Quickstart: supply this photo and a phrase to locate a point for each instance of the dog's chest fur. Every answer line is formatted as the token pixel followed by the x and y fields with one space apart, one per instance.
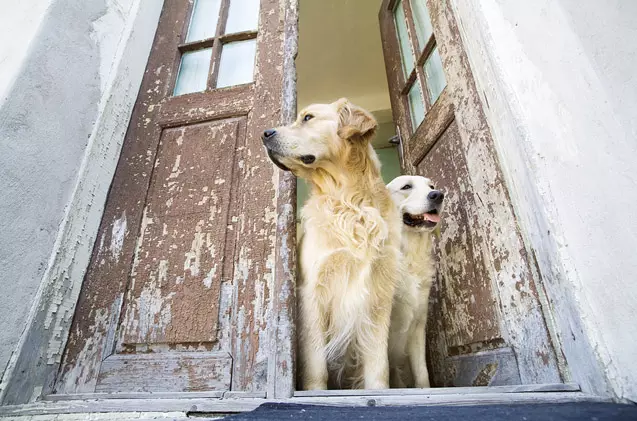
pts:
pixel 349 257
pixel 419 271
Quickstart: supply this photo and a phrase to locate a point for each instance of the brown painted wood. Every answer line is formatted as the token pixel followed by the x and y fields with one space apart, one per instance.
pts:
pixel 393 69
pixel 282 361
pixel 186 254
pixel 177 270
pixel 205 106
pixel 468 311
pixel 484 277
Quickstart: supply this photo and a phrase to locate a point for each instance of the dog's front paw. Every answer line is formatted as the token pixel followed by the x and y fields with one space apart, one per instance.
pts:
pixel 377 384
pixel 422 379
pixel 319 385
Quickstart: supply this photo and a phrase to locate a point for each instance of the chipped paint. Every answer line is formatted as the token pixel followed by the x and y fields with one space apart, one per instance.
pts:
pixel 117 236
pixel 150 313
pixel 485 296
pixel 193 257
pixel 191 261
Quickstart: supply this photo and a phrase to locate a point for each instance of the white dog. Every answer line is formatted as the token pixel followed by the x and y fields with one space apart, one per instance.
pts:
pixel 350 250
pixel 420 205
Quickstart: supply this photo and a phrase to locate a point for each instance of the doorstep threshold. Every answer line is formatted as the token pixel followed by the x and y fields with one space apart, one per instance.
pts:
pixel 552 387
pixel 146 402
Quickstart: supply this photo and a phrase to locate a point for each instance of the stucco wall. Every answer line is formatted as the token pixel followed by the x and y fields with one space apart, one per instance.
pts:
pixel 560 92
pixel 66 93
pixel 20 22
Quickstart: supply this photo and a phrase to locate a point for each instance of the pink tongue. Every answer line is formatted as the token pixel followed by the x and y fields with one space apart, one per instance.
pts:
pixel 431 217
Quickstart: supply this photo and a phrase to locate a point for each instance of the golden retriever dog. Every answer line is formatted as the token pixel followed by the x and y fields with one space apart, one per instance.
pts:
pixel 420 205
pixel 349 250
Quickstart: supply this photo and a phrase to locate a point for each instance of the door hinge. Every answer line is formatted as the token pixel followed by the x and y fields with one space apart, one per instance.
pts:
pixel 395 140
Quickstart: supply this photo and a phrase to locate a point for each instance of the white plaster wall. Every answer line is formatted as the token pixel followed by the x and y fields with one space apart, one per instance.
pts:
pixel 19 21
pixel 65 100
pixel 560 92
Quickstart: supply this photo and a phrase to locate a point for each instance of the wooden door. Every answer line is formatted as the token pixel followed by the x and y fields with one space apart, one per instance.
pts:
pixel 178 294
pixel 486 325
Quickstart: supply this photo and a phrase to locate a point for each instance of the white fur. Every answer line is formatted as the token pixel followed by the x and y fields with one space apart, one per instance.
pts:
pixel 349 249
pixel 411 300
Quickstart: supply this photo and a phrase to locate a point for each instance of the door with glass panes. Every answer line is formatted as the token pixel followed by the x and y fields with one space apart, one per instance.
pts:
pixel 177 294
pixel 486 323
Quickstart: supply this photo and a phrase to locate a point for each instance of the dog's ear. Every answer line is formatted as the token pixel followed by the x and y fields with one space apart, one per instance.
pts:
pixel 355 123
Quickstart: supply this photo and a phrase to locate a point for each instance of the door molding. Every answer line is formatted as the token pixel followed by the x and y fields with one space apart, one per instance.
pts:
pixel 282 334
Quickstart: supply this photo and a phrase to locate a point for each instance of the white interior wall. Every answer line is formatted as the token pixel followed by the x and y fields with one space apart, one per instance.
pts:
pixel 341 55
pixel 560 92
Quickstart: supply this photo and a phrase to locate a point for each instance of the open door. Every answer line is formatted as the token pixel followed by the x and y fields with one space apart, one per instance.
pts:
pixel 486 325
pixel 181 289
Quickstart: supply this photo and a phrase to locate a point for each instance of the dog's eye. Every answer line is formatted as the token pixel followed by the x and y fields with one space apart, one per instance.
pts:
pixel 308 117
pixel 431 186
pixel 406 187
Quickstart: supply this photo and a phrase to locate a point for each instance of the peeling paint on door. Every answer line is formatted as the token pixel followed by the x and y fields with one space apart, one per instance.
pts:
pixel 196 254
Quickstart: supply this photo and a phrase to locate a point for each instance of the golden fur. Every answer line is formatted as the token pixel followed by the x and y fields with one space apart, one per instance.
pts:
pixel 411 299
pixel 349 250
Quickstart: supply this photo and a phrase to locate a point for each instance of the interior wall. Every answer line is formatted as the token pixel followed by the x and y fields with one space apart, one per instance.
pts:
pixel 340 55
pixel 67 96
pixel 560 92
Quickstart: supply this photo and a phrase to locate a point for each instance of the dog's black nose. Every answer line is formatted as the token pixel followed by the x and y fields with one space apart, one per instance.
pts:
pixel 436 196
pixel 269 134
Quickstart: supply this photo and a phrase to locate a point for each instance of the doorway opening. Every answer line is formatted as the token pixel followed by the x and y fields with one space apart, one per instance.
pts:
pixel 476 335
pixel 341 55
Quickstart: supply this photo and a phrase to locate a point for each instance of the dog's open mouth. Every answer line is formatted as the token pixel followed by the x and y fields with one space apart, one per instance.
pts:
pixel 428 219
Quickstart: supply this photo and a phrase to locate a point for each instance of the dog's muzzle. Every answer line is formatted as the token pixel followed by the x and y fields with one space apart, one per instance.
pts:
pixel 269 141
pixel 273 157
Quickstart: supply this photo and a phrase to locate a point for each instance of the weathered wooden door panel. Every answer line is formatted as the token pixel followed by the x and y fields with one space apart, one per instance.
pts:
pixel 177 269
pixel 159 372
pixel 177 295
pixel 469 315
pixel 465 328
pixel 486 325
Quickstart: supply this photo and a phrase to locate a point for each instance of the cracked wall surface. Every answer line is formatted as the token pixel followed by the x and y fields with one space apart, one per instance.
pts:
pixel 68 93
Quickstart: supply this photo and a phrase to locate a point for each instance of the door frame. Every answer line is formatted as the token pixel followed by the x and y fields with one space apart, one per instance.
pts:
pixel 34 365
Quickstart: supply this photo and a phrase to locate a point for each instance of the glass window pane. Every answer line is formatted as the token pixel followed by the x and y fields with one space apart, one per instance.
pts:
pixel 434 75
pixel 193 72
pixel 243 15
pixel 403 39
pixel 422 22
pixel 237 63
pixel 416 105
pixel 203 23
